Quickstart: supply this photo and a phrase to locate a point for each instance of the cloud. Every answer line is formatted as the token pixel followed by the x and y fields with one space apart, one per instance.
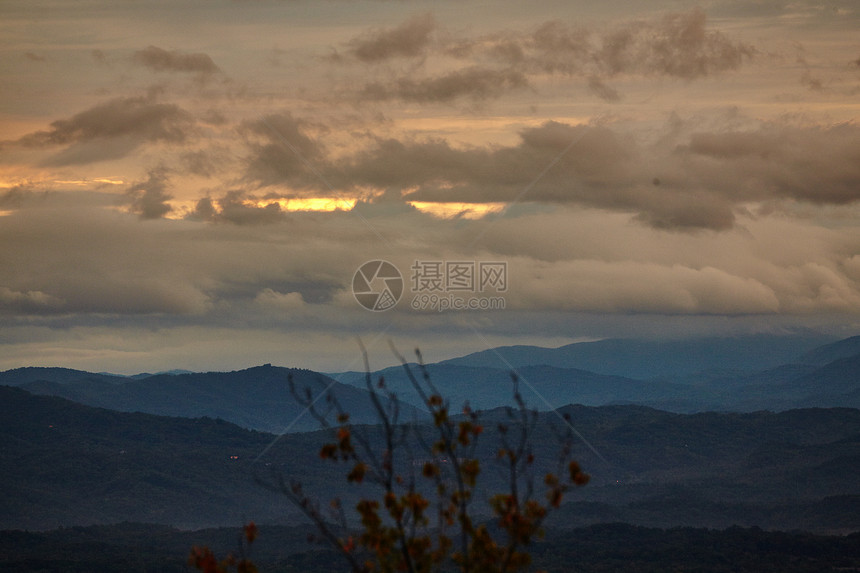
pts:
pixel 684 179
pixel 697 182
pixel 291 302
pixel 27 302
pixel 112 129
pixel 108 263
pixel 232 207
pixel 586 165
pixel 160 60
pixel 677 45
pixel 603 91
pixel 816 164
pixel 475 83
pixel 408 40
pixel 589 162
pixel 149 198
pixel 288 280
pixel 283 152
pixel 601 286
pixel 14 197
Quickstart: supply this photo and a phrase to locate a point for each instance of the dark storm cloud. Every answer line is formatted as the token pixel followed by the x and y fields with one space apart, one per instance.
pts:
pixel 160 60
pixel 149 198
pixel 475 83
pixel 112 129
pixel 408 40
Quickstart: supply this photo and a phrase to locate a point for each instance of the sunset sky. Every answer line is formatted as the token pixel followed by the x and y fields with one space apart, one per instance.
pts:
pixel 194 184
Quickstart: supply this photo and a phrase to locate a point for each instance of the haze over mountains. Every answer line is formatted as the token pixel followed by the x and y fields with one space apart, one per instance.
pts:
pixel 643 359
pixel 739 374
pixel 735 374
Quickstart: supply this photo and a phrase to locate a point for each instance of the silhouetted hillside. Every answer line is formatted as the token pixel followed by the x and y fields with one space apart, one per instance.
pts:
pixel 544 386
pixel 21 376
pixel 828 353
pixel 67 464
pixel 257 398
pixel 643 359
pixel 595 549
pixel 781 388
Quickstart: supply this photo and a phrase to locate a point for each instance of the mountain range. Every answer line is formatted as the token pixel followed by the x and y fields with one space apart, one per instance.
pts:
pixel 734 374
pixel 762 432
pixel 67 464
pixel 260 398
pixel 644 359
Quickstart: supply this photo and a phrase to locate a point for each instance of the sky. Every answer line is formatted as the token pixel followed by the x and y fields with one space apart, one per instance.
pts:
pixel 202 184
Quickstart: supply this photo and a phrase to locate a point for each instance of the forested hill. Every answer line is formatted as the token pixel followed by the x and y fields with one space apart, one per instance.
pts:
pixel 67 464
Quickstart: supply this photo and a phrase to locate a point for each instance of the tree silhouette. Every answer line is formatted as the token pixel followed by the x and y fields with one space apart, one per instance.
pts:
pixel 418 514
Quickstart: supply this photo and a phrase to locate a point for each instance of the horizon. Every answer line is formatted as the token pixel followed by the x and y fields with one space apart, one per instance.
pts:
pixel 814 340
pixel 209 186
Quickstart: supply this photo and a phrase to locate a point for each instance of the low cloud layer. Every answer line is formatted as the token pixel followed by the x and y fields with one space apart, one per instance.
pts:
pixel 296 272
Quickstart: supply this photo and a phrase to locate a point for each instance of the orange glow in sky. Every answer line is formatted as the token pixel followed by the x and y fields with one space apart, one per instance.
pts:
pixel 307 204
pixel 461 210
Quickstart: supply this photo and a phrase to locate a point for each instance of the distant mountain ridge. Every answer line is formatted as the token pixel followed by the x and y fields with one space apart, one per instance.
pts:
pixel 644 359
pixel 21 376
pixel 543 387
pixel 828 353
pixel 174 372
pixel 722 381
pixel 257 398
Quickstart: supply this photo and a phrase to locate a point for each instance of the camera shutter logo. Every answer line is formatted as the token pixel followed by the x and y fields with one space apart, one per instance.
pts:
pixel 377 285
